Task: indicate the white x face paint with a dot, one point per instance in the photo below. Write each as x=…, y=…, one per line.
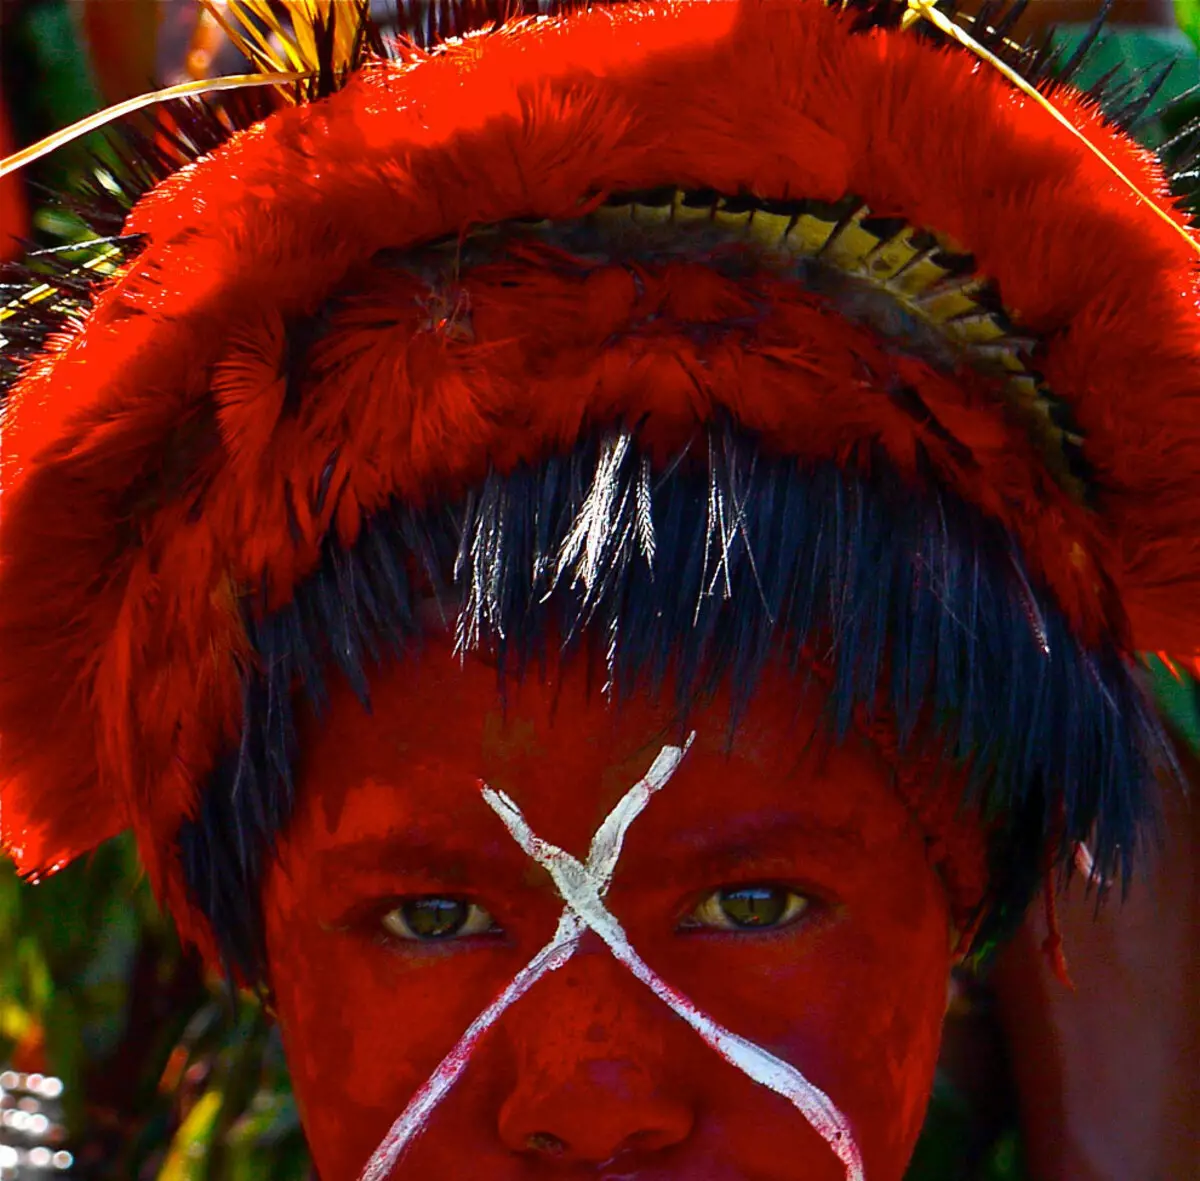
x=582, y=888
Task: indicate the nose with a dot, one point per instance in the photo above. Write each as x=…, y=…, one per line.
x=608, y=1110
x=592, y=1081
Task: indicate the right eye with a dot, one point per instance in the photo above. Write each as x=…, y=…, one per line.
x=431, y=918
x=749, y=908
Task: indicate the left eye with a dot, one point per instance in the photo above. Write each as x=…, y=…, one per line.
x=432, y=917
x=748, y=908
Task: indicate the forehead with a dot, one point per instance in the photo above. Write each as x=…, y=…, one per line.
x=411, y=769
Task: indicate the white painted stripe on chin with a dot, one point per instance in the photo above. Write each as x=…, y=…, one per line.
x=582, y=888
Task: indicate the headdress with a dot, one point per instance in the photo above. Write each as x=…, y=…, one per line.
x=707, y=331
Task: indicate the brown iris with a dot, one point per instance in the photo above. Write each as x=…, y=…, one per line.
x=754, y=906
x=757, y=906
x=426, y=918
x=435, y=918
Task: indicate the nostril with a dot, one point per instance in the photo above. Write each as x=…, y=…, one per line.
x=651, y=1140
x=545, y=1143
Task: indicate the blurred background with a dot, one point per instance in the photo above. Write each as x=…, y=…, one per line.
x=120, y=1058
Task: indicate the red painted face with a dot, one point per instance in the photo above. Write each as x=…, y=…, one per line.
x=779, y=884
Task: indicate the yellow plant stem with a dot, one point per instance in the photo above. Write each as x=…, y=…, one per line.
x=102, y=118
x=925, y=10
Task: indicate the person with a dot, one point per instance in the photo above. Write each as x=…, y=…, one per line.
x=600, y=558
x=1093, y=1109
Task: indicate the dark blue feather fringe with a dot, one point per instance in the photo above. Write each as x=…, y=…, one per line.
x=708, y=570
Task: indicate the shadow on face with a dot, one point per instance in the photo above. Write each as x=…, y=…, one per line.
x=775, y=880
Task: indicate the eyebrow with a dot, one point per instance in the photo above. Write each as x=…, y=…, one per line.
x=774, y=833
x=424, y=849
x=413, y=850
x=584, y=910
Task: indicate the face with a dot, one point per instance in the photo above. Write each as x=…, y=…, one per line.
x=774, y=883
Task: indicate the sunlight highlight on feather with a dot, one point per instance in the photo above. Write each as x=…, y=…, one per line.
x=926, y=10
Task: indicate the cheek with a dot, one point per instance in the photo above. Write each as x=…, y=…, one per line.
x=855, y=1003
x=363, y=1027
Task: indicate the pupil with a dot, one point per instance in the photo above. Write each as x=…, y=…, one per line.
x=435, y=918
x=754, y=906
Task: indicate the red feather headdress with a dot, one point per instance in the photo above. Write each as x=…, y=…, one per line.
x=166, y=460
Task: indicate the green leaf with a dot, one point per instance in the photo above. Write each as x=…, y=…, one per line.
x=1175, y=692
x=1004, y=1161
x=942, y=1151
x=192, y=1145
x=1187, y=17
x=65, y=1050
x=35, y=972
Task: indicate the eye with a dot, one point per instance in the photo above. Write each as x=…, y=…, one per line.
x=748, y=908
x=432, y=917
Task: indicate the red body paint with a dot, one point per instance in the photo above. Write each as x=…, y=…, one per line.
x=118, y=616
x=589, y=1061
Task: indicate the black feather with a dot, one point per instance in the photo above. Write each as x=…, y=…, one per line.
x=918, y=605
